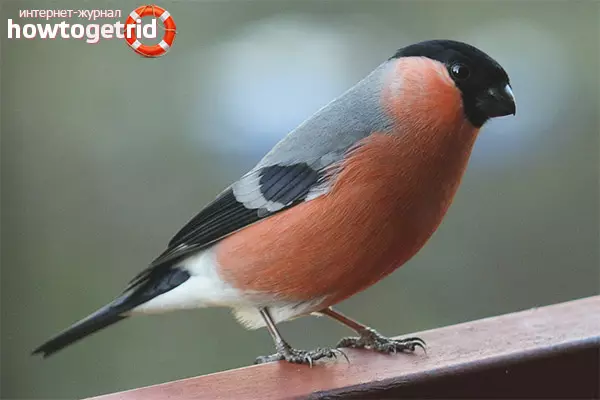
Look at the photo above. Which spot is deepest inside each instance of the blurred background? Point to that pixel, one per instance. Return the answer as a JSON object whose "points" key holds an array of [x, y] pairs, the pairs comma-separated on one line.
{"points": [[105, 155]]}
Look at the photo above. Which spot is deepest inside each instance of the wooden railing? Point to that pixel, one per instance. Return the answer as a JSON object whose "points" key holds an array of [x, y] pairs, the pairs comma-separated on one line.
{"points": [[547, 352]]}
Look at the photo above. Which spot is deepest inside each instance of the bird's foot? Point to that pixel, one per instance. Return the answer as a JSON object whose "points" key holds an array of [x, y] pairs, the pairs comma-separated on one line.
{"points": [[370, 339], [292, 355]]}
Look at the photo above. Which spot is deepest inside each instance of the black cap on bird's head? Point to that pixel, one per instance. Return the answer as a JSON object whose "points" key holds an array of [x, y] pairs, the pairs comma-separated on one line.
{"points": [[485, 86]]}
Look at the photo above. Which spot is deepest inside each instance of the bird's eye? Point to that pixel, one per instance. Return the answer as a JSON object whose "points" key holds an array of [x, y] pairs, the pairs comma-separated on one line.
{"points": [[460, 71]]}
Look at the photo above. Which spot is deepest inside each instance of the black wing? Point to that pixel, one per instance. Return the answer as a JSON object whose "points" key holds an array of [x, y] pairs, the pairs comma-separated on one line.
{"points": [[272, 189]]}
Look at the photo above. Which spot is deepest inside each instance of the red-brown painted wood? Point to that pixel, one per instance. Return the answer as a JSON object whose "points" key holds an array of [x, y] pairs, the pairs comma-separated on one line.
{"points": [[550, 351]]}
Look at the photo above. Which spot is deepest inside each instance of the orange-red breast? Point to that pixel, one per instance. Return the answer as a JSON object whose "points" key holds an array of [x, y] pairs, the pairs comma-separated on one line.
{"points": [[342, 201]]}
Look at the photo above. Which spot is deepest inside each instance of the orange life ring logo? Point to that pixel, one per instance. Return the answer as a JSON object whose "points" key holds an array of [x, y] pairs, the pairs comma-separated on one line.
{"points": [[166, 42]]}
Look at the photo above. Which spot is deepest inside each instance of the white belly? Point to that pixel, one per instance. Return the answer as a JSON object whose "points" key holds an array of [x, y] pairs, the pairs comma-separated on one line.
{"points": [[205, 288]]}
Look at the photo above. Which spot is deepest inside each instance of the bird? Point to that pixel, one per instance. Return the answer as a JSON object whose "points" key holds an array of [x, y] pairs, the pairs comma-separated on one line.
{"points": [[343, 200]]}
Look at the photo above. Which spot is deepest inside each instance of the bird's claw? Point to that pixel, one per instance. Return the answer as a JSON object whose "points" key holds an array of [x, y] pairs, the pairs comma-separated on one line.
{"points": [[301, 356], [370, 339]]}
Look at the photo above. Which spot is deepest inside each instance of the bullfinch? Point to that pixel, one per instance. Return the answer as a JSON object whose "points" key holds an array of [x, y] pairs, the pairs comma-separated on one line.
{"points": [[339, 203]]}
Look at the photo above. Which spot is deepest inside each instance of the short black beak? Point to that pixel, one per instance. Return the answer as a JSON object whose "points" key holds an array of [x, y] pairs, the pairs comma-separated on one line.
{"points": [[498, 102]]}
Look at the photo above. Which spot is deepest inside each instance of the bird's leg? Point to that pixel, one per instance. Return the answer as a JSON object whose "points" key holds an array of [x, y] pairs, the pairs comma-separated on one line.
{"points": [[371, 339], [287, 352]]}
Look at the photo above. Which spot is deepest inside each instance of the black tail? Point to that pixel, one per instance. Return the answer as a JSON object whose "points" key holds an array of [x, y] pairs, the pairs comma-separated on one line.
{"points": [[102, 318], [151, 286]]}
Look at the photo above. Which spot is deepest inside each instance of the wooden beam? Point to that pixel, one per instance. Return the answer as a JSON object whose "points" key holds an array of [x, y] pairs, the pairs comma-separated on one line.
{"points": [[529, 353]]}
